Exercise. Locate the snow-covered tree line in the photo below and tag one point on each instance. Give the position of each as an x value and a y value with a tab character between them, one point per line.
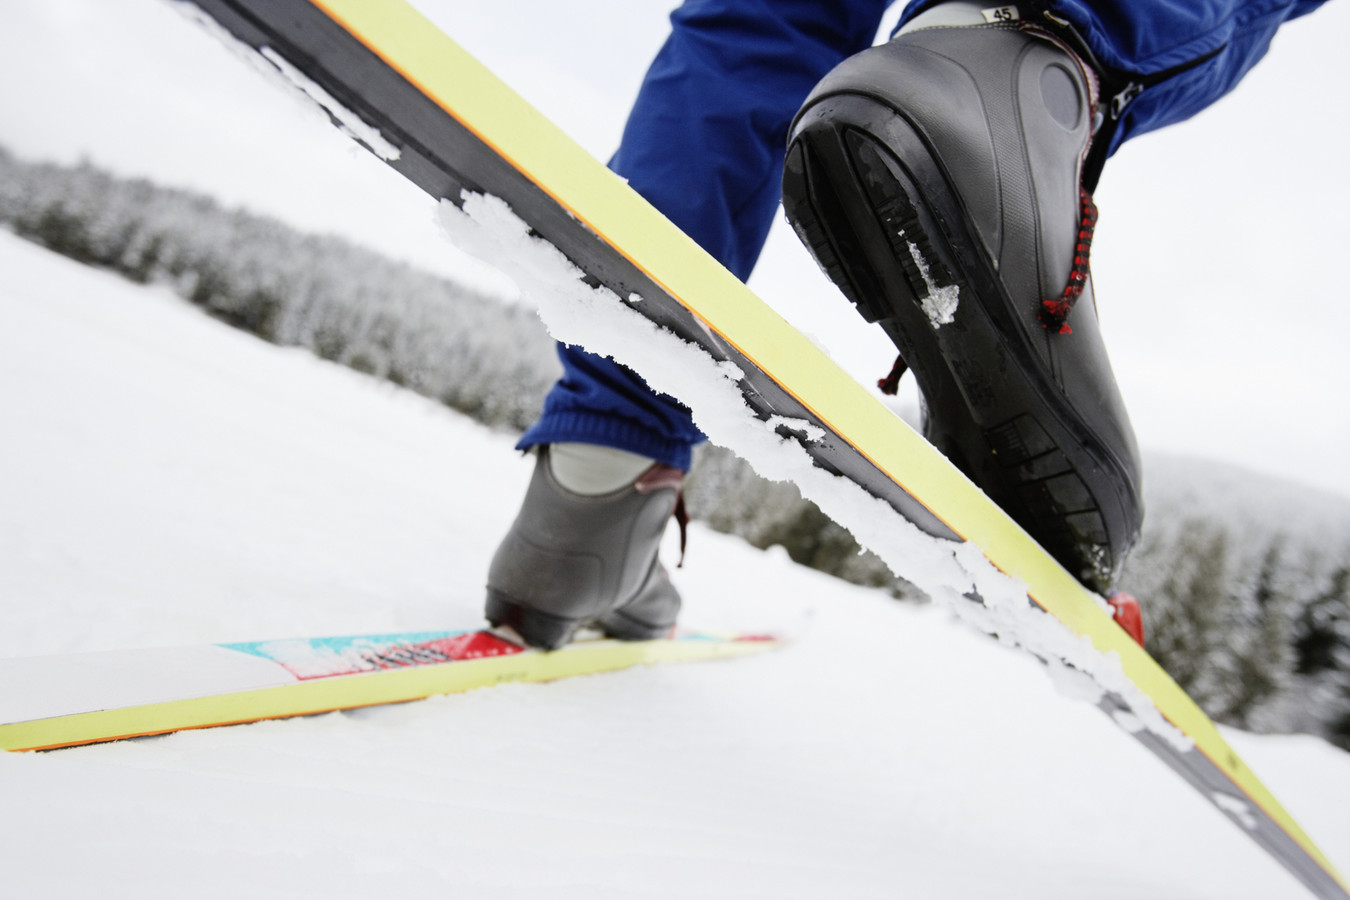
1247	592
1245	581
343	302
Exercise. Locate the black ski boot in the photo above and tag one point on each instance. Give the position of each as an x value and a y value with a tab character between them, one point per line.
574	560
936	180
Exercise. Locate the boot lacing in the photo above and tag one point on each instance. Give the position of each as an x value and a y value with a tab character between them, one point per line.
1054	313
890	385
661	476
681	519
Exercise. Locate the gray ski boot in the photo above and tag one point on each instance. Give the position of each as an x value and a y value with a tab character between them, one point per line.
937	181
574	560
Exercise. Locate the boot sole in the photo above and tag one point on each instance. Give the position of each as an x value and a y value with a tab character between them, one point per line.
549	632
538	629
623	627
887	233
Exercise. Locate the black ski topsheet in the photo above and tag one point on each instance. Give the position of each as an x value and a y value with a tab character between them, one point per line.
455	128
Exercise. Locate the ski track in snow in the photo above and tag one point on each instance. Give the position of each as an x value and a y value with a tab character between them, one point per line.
169	481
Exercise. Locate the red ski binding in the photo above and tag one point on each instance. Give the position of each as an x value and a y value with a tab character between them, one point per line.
1125	610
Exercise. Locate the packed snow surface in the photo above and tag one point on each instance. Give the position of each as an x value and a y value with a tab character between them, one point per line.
169	481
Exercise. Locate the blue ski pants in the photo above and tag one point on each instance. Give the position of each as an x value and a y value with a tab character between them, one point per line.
707	135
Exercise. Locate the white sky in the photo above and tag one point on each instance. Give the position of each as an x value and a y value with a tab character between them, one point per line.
1215	258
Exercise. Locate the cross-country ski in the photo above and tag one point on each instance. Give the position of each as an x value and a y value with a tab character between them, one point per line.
241	491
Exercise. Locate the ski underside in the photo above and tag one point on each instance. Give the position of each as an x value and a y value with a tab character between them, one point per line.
84	698
396	84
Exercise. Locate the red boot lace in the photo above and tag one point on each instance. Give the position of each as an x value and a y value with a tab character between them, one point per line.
890	385
1055	313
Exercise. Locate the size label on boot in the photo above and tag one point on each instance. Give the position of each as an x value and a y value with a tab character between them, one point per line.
1001	14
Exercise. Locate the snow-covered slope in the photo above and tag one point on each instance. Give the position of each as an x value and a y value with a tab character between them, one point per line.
166	480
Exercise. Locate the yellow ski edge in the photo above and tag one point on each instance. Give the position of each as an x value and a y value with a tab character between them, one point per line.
388	686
